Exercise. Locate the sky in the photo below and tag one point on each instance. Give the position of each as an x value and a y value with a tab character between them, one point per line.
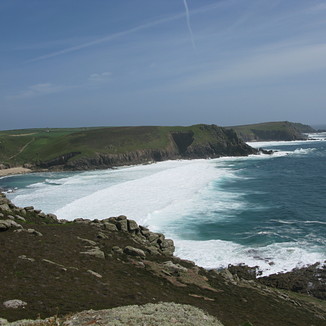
69	63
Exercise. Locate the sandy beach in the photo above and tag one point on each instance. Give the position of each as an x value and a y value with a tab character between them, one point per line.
17	170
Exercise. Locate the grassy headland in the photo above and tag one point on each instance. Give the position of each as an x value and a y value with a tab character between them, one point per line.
86	148
272	131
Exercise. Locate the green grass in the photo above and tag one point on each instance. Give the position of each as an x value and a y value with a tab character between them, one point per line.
34	145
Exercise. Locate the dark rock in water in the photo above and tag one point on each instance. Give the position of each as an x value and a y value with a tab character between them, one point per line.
309	280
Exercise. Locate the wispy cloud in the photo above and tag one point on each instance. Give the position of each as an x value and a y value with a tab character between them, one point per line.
100	77
189	25
135	29
39	90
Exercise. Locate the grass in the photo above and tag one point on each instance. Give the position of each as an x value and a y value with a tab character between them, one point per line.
38	145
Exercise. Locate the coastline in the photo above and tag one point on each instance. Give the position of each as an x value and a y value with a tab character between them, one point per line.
12	171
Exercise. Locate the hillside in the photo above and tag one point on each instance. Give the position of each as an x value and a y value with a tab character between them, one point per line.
273	131
54	267
93	148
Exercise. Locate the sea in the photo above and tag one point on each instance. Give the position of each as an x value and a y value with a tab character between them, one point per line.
263	210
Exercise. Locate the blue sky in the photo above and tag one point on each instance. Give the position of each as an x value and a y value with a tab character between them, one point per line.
69	63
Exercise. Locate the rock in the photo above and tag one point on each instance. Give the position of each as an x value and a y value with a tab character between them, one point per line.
174	268
4	207
24	257
52	217
161	314
29	208
14	304
110	226
20	218
167	246
96	252
82	221
151	236
121	217
34	232
3	322
134	252
132	226
101	235
117	250
122	225
10	217
2	215
90	242
94	273
8	224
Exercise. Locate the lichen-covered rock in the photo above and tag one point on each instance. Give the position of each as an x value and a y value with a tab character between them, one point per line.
14	304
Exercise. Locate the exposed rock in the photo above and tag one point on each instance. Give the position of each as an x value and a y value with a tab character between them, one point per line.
20	218
96	252
24	257
14	304
122	225
110	226
174	268
9	224
134	251
101	235
4	207
132	226
90	242
117	249
82	221
94	273
34	232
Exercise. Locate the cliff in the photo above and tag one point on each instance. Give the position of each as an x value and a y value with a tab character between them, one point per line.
51	267
273	131
95	148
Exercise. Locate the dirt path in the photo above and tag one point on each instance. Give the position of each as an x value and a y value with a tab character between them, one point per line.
22	149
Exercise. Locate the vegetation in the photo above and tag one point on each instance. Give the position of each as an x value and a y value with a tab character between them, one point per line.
39	146
269	131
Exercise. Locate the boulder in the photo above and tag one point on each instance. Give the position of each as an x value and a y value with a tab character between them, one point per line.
122	225
5	207
132	226
14	304
134	252
9	224
110	226
34	232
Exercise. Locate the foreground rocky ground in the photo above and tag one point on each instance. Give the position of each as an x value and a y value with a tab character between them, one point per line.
57	268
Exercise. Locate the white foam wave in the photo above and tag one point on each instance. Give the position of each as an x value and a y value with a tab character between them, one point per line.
268	144
274	258
145	197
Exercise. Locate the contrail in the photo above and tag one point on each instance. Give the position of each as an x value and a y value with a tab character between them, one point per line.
189	26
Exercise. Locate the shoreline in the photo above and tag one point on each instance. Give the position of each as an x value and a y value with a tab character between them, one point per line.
13	171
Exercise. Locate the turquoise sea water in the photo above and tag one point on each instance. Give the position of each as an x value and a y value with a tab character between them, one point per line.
267	210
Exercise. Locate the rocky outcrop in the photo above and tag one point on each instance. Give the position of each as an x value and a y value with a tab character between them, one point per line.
309	280
159	314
